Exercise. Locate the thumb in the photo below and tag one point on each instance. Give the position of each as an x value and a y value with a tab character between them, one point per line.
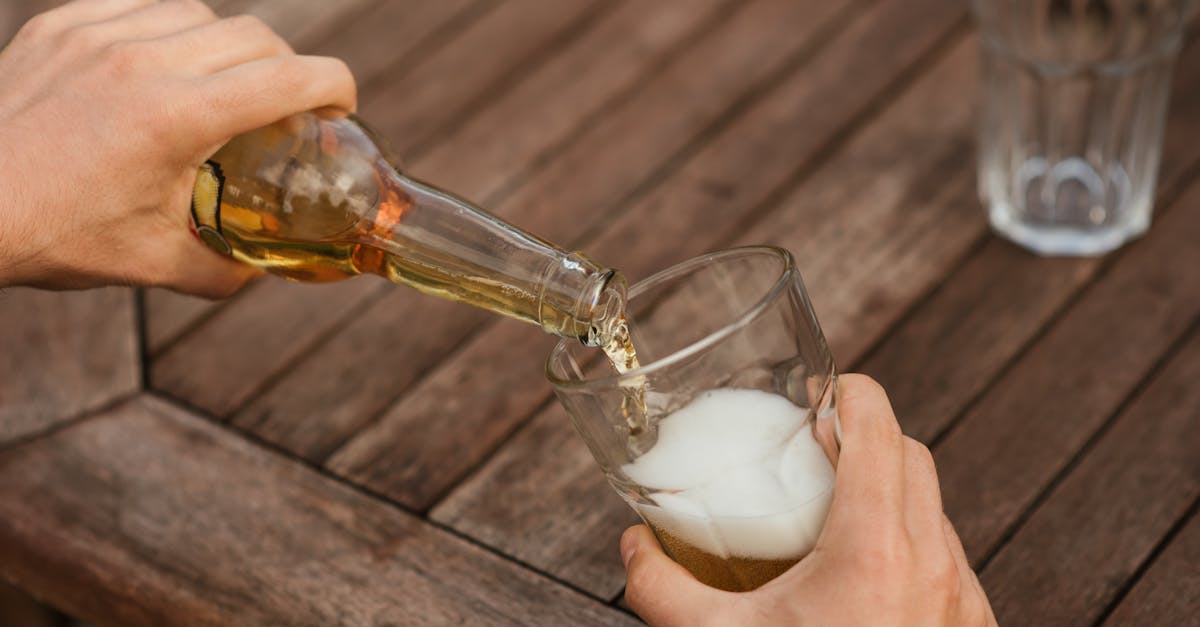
661	591
198	270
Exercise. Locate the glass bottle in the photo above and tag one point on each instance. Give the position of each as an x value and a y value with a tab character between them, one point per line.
314	197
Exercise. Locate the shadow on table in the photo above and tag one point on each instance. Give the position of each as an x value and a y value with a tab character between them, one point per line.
18	609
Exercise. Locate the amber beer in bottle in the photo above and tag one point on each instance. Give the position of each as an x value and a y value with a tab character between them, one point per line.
314	197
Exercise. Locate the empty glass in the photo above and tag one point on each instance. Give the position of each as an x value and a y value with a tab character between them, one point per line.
1074	96
731	462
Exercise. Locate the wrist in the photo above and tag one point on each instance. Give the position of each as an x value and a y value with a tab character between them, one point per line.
18	228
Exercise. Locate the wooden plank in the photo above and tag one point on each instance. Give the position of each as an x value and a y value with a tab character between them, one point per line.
956	342
997	301
620	52
62	354
1101	523
879	224
384	42
1169	592
300	22
337	386
168	315
483	506
1022	433
490	55
374	373
195	526
542	499
219	363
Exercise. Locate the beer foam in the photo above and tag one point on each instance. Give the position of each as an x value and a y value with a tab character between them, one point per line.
737	473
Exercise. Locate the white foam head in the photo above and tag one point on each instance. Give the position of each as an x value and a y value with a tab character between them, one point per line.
737	472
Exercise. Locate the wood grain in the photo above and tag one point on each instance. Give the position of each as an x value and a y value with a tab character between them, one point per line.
880	223
168	315
385	42
377	372
955	342
485	59
300	22
503	363
62	354
1041	411
1101	523
529	528
618	57
952	344
169	520
1169	592
218	365
542	499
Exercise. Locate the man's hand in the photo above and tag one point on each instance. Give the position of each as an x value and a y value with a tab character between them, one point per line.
107	107
887	554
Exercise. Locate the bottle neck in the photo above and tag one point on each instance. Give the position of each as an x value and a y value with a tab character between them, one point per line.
446	246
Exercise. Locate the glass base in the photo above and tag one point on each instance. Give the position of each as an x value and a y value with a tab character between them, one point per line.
1066	241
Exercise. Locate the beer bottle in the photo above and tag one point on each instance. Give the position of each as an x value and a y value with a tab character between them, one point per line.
315	197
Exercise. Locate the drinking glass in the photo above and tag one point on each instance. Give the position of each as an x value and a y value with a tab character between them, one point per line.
731	461
1074	97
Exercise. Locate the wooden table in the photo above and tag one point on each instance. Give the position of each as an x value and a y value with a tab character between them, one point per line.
358	453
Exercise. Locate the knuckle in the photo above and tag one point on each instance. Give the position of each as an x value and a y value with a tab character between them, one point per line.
340	67
918	452
83	39
636	585
890	555
41	26
944	578
162	123
125	58
247	25
345	77
196	8
640	586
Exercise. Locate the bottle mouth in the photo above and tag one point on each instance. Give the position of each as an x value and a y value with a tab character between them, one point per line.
580	299
606	309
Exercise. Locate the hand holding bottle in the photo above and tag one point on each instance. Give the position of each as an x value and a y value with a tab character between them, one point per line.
887	554
107	109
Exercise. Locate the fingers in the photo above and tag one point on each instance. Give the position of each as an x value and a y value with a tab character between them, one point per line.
974	598
213	276
192	268
870	471
264	91
952	540
220	45
970	581
661	591
152	21
922	499
82	12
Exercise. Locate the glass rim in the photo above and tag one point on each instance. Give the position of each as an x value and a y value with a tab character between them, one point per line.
684	267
